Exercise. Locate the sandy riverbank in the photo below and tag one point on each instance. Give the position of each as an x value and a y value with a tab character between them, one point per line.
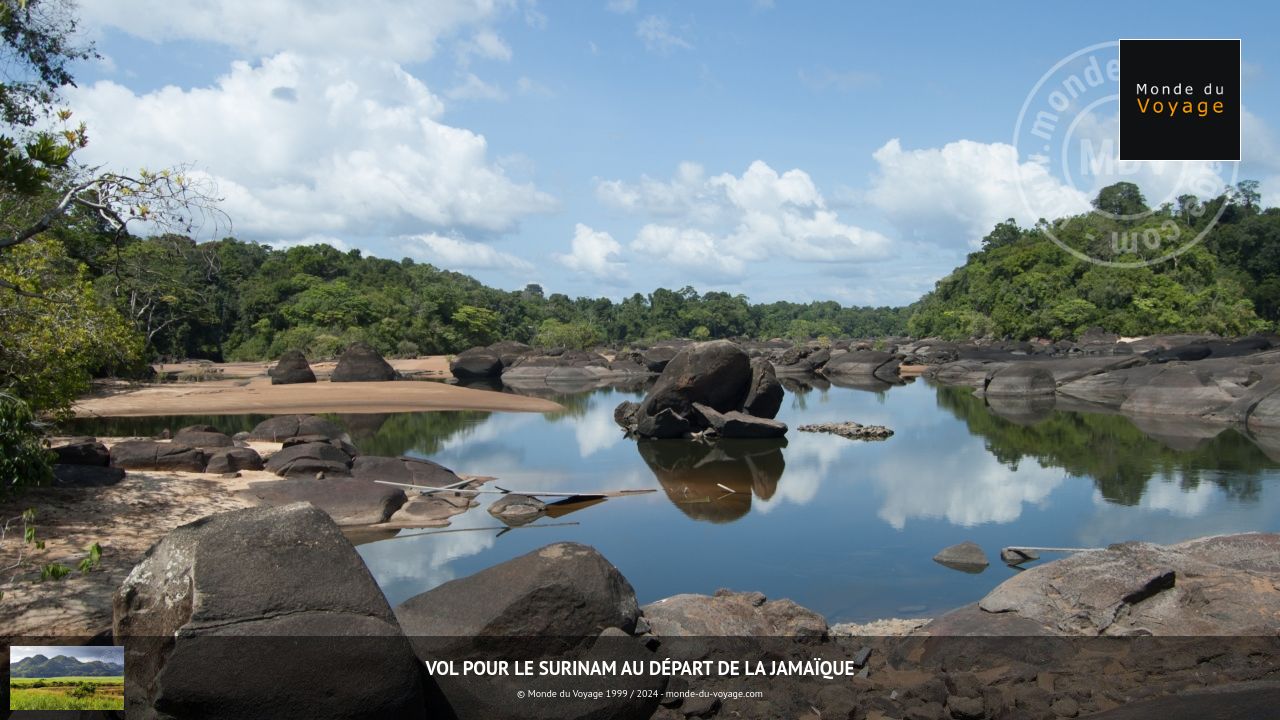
244	388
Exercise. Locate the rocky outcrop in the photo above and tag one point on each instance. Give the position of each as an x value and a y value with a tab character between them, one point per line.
272	589
82	451
1216	586
732	614
764	399
706	386
1021	380
851	430
361	363
283	427
867	363
202	436
411	471
344	499
229	460
154	455
308	459
1184	391
476	363
291	369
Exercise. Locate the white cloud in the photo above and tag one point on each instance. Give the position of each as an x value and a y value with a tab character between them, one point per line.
960	191
621	6
656	32
485	44
359	149
473	88
719	224
456	253
592	253
402	30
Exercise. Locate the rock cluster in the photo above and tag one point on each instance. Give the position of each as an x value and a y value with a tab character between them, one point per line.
850	430
712	388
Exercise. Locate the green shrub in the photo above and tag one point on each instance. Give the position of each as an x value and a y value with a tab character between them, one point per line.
23	459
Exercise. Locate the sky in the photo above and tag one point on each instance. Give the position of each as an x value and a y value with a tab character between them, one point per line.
83	653
784	150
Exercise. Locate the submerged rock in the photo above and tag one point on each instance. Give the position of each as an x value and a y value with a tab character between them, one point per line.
850	430
517	509
965	557
278	590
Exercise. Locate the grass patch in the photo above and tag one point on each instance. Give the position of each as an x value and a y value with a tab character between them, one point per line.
66	693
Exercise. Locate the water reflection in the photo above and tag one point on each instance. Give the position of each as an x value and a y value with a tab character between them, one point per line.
869	516
715	482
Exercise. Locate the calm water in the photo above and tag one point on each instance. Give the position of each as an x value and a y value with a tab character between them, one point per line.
846	528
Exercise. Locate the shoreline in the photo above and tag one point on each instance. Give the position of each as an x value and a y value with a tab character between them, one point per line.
245	389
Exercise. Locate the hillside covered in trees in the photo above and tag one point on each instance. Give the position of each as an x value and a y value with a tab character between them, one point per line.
1021	285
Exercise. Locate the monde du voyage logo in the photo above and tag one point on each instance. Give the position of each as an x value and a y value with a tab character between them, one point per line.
1180	100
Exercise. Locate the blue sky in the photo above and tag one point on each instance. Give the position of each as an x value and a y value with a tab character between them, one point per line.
608	147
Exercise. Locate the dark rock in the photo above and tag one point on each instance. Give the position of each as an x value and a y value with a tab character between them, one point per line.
516	509
1184	391
665	425
966	708
202	438
361	363
966	557
508	351
152	455
1225	702
85	475
730	614
625	415
283	427
764	399
347	501
232	460
864	362
1184	353
82	451
716	374
291	369
271	589
478	362
739	425
304	457
566	593
1021	379
700	707
694	475
411	471
656	358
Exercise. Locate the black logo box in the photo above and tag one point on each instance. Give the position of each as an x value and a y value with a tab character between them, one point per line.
1185	67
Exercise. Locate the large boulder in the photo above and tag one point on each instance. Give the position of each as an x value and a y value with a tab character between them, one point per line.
202	436
764	398
361	363
737	425
508	351
307	459
229	460
292	368
411	471
565	594
1216	586
1181	390
732	614
864	362
68	476
82	451
716	374
476	363
283	427
153	455
656	358
1021	380
262	613
346	500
